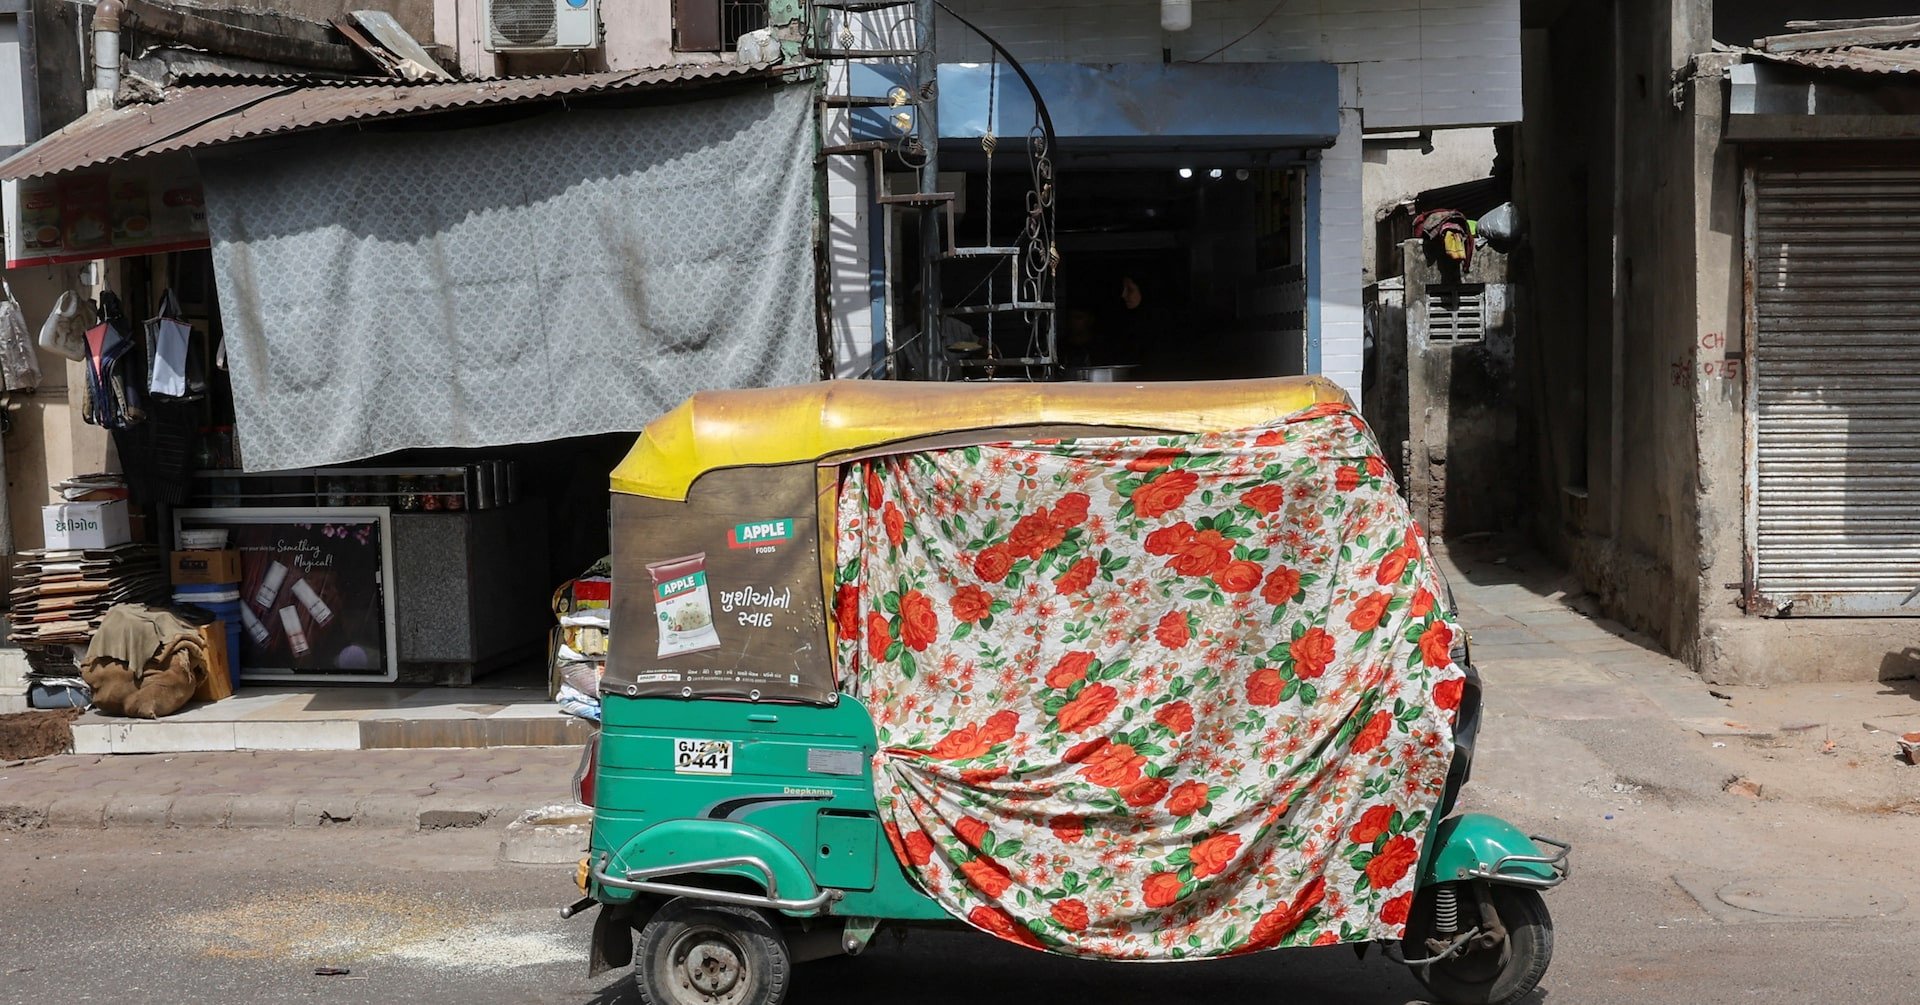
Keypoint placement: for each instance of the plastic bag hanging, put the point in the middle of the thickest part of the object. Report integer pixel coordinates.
(64, 333)
(169, 343)
(19, 362)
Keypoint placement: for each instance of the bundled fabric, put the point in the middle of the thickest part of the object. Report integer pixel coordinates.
(1152, 698)
(144, 662)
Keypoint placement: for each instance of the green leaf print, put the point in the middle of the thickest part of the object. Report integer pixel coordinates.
(907, 665)
(891, 602)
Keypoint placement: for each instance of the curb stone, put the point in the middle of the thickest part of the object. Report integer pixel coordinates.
(139, 811)
(261, 811)
(78, 812)
(200, 811)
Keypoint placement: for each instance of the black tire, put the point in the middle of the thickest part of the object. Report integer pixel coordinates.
(696, 953)
(1479, 977)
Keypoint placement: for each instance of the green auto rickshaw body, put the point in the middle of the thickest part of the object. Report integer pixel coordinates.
(785, 821)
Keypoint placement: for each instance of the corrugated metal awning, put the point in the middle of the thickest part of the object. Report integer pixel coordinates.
(202, 116)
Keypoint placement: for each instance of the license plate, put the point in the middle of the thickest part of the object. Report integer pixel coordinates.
(703, 757)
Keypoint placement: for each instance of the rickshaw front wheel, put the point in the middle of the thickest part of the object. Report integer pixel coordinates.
(696, 953)
(1498, 974)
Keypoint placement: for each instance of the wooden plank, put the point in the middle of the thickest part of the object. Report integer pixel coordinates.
(1839, 23)
(415, 62)
(1909, 31)
(201, 30)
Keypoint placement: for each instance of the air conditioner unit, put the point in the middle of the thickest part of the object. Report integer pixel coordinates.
(540, 25)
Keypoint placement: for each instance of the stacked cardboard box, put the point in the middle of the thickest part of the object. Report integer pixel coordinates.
(59, 597)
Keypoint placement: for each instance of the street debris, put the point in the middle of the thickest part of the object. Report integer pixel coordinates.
(1797, 727)
(1828, 746)
(331, 971)
(1741, 786)
(1722, 695)
(1910, 747)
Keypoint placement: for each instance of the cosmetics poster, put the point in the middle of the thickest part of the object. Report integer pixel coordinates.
(313, 599)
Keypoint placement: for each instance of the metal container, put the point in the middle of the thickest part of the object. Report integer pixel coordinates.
(1103, 374)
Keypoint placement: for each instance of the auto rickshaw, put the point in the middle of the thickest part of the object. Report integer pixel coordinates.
(1138, 672)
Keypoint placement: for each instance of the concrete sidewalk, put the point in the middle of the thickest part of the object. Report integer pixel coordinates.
(404, 789)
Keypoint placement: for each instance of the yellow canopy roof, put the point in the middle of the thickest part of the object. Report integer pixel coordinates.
(810, 422)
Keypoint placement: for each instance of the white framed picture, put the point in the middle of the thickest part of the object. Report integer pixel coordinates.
(315, 591)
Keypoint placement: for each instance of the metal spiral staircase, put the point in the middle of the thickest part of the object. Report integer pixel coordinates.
(1005, 293)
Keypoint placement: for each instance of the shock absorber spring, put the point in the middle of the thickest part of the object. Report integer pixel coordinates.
(1446, 911)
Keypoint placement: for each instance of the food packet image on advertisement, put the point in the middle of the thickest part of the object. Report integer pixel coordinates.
(682, 606)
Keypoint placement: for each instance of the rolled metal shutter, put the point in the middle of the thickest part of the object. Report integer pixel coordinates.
(1837, 390)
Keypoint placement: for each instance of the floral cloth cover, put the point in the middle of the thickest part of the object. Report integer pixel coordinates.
(1152, 698)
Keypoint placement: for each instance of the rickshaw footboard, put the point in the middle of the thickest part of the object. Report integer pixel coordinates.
(643, 881)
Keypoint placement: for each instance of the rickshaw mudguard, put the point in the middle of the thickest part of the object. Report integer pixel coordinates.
(1482, 846)
(657, 850)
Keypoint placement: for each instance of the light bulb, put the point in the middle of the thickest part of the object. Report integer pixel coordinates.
(1186, 172)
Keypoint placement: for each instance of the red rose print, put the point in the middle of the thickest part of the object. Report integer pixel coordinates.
(1203, 554)
(1113, 765)
(896, 524)
(1265, 499)
(1422, 603)
(1035, 534)
(1071, 668)
(919, 847)
(1392, 567)
(1373, 823)
(1264, 687)
(1071, 510)
(1169, 540)
(1311, 653)
(875, 494)
(970, 604)
(1154, 460)
(1271, 438)
(1177, 717)
(1346, 479)
(919, 623)
(1238, 577)
(1446, 694)
(1392, 862)
(1081, 751)
(1281, 586)
(1367, 613)
(1188, 798)
(986, 875)
(892, 832)
(981, 776)
(1068, 828)
(1373, 733)
(1326, 939)
(1087, 711)
(993, 564)
(960, 744)
(1375, 466)
(1000, 726)
(971, 831)
(879, 636)
(1077, 577)
(1394, 912)
(1161, 889)
(1164, 494)
(1071, 914)
(1000, 924)
(846, 612)
(1172, 630)
(1436, 644)
(1144, 792)
(1280, 922)
(1212, 856)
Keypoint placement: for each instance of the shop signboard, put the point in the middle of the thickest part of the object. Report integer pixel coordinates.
(137, 208)
(314, 603)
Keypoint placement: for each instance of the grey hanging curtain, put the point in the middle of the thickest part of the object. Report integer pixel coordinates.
(579, 272)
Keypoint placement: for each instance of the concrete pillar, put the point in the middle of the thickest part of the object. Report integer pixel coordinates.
(1342, 218)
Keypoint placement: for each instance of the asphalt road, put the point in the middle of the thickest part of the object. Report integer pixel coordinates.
(246, 916)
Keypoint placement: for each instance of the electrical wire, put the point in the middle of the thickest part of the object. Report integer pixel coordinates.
(1257, 25)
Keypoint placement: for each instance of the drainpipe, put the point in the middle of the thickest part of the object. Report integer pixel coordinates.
(106, 51)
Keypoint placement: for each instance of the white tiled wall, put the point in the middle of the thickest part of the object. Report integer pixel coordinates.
(1420, 63)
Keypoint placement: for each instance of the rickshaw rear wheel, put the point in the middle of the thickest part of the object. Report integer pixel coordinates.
(692, 952)
(1499, 974)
